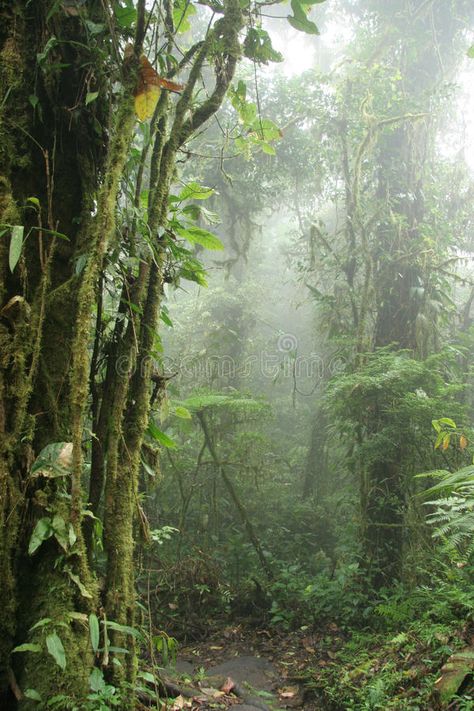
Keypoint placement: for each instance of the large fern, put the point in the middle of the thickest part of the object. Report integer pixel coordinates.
(453, 514)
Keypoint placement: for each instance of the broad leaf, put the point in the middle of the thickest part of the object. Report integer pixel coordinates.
(258, 46)
(16, 244)
(196, 235)
(194, 191)
(77, 581)
(56, 649)
(91, 96)
(27, 647)
(125, 14)
(182, 412)
(42, 531)
(32, 694)
(94, 631)
(96, 680)
(124, 629)
(300, 20)
(146, 101)
(160, 436)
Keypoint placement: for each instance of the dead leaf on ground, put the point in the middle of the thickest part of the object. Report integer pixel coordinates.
(289, 692)
(180, 703)
(228, 685)
(213, 693)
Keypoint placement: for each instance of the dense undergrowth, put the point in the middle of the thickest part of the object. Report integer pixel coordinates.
(369, 649)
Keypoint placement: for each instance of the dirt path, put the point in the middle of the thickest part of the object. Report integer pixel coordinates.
(253, 670)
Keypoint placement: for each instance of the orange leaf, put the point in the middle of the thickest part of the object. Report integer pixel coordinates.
(228, 686)
(149, 88)
(170, 85)
(148, 76)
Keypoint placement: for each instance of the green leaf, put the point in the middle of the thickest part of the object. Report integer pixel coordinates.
(182, 11)
(32, 694)
(193, 270)
(56, 649)
(60, 532)
(470, 52)
(147, 676)
(300, 20)
(34, 201)
(160, 436)
(124, 629)
(53, 460)
(448, 421)
(91, 96)
(196, 235)
(166, 319)
(42, 531)
(16, 244)
(268, 149)
(41, 623)
(27, 647)
(303, 26)
(94, 631)
(266, 130)
(72, 535)
(258, 46)
(77, 581)
(81, 262)
(95, 28)
(96, 680)
(194, 191)
(182, 412)
(41, 56)
(80, 616)
(125, 14)
(248, 112)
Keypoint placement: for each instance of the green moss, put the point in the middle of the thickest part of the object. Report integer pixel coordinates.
(103, 231)
(52, 594)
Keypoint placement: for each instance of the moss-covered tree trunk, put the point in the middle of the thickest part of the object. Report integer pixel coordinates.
(55, 151)
(68, 76)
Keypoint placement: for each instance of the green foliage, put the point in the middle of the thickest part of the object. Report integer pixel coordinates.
(258, 46)
(55, 526)
(16, 245)
(94, 632)
(56, 649)
(302, 599)
(392, 400)
(452, 515)
(299, 20)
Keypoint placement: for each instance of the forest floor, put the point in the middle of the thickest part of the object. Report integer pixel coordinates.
(259, 669)
(252, 668)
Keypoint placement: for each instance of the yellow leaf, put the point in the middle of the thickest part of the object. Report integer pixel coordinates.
(463, 442)
(145, 102)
